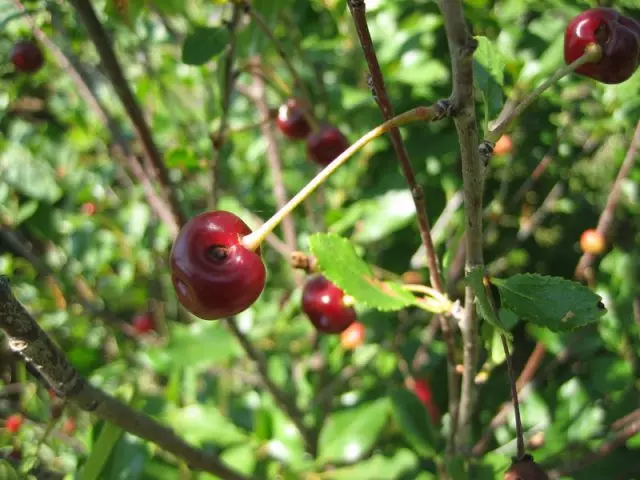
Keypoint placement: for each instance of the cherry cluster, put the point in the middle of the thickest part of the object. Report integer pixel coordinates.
(217, 274)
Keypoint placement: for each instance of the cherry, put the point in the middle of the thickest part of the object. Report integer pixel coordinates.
(592, 241)
(617, 35)
(213, 273)
(26, 57)
(422, 389)
(14, 422)
(525, 469)
(143, 323)
(503, 146)
(323, 302)
(291, 120)
(353, 336)
(324, 145)
(69, 427)
(88, 208)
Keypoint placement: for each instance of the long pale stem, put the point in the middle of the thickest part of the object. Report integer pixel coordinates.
(431, 113)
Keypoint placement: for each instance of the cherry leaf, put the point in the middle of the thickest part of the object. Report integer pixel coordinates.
(204, 43)
(341, 264)
(556, 303)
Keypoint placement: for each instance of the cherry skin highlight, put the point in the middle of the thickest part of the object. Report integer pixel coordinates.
(617, 35)
(326, 144)
(291, 120)
(323, 302)
(353, 336)
(26, 57)
(592, 241)
(213, 273)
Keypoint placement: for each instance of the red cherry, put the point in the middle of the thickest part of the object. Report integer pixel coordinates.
(88, 208)
(323, 302)
(213, 273)
(353, 336)
(525, 469)
(291, 120)
(143, 323)
(422, 389)
(14, 422)
(26, 57)
(503, 146)
(592, 241)
(324, 145)
(69, 427)
(618, 36)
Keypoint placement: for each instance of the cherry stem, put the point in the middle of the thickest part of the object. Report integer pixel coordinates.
(593, 53)
(297, 80)
(431, 113)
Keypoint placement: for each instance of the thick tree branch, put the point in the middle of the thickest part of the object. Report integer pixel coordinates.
(358, 12)
(112, 67)
(28, 340)
(461, 46)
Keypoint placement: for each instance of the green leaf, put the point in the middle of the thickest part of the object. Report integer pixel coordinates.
(204, 424)
(6, 471)
(414, 422)
(483, 303)
(350, 433)
(204, 43)
(340, 263)
(488, 75)
(199, 345)
(552, 302)
(109, 436)
(29, 175)
(400, 465)
(241, 458)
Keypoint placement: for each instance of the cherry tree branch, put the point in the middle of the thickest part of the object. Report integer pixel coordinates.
(113, 69)
(358, 12)
(461, 47)
(605, 222)
(31, 342)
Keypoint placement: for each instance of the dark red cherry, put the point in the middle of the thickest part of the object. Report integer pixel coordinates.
(213, 273)
(143, 323)
(422, 390)
(324, 145)
(525, 469)
(26, 57)
(291, 120)
(323, 302)
(617, 35)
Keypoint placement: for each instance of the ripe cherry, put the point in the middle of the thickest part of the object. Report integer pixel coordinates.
(353, 336)
(13, 423)
(617, 35)
(213, 273)
(324, 145)
(525, 469)
(26, 57)
(422, 389)
(291, 120)
(592, 241)
(88, 208)
(323, 302)
(143, 323)
(503, 146)
(69, 426)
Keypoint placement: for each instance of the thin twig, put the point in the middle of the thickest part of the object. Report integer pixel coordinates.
(605, 222)
(218, 139)
(273, 158)
(358, 12)
(285, 403)
(31, 342)
(619, 439)
(113, 69)
(461, 47)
